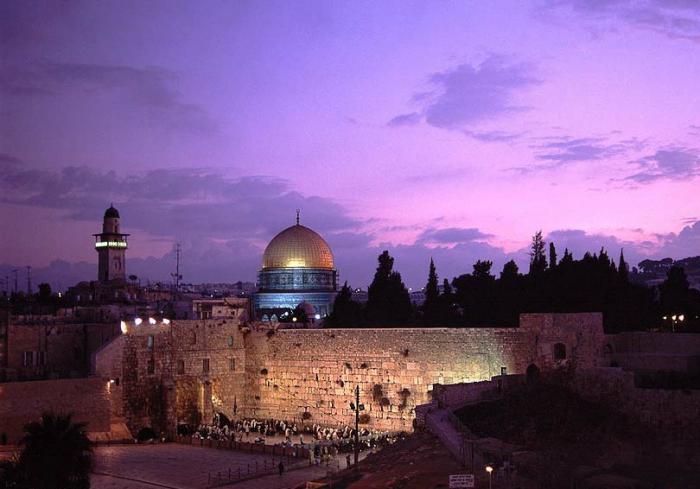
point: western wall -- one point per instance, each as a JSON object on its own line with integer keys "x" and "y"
{"x": 189, "y": 370}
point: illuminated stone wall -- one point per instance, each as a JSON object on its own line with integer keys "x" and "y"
{"x": 185, "y": 372}
{"x": 316, "y": 371}
{"x": 283, "y": 374}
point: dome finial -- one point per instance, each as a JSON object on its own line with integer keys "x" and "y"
{"x": 297, "y": 217}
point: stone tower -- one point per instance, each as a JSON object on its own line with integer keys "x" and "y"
{"x": 111, "y": 249}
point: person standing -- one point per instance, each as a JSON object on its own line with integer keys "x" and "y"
{"x": 280, "y": 467}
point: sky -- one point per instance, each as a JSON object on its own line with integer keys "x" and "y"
{"x": 451, "y": 130}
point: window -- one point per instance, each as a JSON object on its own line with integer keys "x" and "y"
{"x": 151, "y": 366}
{"x": 41, "y": 358}
{"x": 149, "y": 342}
{"x": 28, "y": 358}
{"x": 232, "y": 364}
{"x": 180, "y": 367}
{"x": 205, "y": 365}
{"x": 193, "y": 338}
{"x": 559, "y": 351}
{"x": 504, "y": 371}
{"x": 229, "y": 341}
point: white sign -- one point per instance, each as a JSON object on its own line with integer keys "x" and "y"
{"x": 458, "y": 481}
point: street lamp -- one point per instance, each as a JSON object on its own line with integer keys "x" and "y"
{"x": 489, "y": 469}
{"x": 357, "y": 407}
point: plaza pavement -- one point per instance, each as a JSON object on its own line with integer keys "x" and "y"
{"x": 174, "y": 466}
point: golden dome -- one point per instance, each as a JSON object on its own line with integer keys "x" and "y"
{"x": 298, "y": 246}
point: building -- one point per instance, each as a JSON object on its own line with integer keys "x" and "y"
{"x": 111, "y": 248}
{"x": 111, "y": 285}
{"x": 297, "y": 268}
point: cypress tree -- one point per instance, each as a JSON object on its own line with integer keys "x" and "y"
{"x": 538, "y": 261}
{"x": 552, "y": 256}
{"x": 431, "y": 288}
{"x": 623, "y": 268}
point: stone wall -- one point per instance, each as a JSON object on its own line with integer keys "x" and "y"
{"x": 293, "y": 372}
{"x": 671, "y": 411}
{"x": 648, "y": 352}
{"x": 182, "y": 372}
{"x": 23, "y": 402}
{"x": 58, "y": 349}
{"x": 189, "y": 370}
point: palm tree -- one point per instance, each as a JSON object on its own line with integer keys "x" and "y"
{"x": 56, "y": 454}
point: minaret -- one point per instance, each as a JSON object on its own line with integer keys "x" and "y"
{"x": 111, "y": 249}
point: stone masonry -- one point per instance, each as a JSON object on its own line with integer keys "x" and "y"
{"x": 184, "y": 372}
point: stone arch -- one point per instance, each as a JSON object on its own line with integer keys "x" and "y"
{"x": 559, "y": 351}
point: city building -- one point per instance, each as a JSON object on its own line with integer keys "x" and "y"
{"x": 297, "y": 268}
{"x": 111, "y": 245}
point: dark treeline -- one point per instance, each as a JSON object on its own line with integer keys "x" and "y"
{"x": 595, "y": 283}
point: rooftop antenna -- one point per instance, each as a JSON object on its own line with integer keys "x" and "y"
{"x": 177, "y": 275}
{"x": 297, "y": 217}
{"x": 29, "y": 280}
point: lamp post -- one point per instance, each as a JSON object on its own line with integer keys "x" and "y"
{"x": 357, "y": 407}
{"x": 489, "y": 469}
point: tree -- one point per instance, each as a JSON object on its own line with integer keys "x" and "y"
{"x": 44, "y": 292}
{"x": 446, "y": 288}
{"x": 346, "y": 312}
{"x": 432, "y": 304}
{"x": 388, "y": 302}
{"x": 674, "y": 292}
{"x": 482, "y": 269}
{"x": 510, "y": 271}
{"x": 431, "y": 288}
{"x": 56, "y": 454}
{"x": 552, "y": 256}
{"x": 538, "y": 261}
{"x": 623, "y": 268}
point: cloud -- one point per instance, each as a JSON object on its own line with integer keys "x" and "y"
{"x": 194, "y": 203}
{"x": 405, "y": 120}
{"x": 676, "y": 19}
{"x": 581, "y": 149}
{"x": 469, "y": 94}
{"x": 560, "y": 151}
{"x": 493, "y": 136}
{"x": 452, "y": 236}
{"x": 151, "y": 90}
{"x": 684, "y": 244}
{"x": 673, "y": 163}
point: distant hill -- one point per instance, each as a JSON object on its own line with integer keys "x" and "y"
{"x": 653, "y": 272}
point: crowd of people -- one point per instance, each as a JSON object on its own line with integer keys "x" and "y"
{"x": 323, "y": 440}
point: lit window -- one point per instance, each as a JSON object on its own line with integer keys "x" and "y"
{"x": 149, "y": 342}
{"x": 229, "y": 341}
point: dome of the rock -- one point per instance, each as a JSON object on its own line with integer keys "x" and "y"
{"x": 298, "y": 247}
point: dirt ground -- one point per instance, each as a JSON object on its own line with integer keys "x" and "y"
{"x": 419, "y": 461}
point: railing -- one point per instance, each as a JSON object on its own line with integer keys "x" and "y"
{"x": 251, "y": 470}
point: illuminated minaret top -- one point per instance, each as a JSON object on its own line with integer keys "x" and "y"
{"x": 111, "y": 249}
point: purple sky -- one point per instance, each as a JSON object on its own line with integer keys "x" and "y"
{"x": 446, "y": 129}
